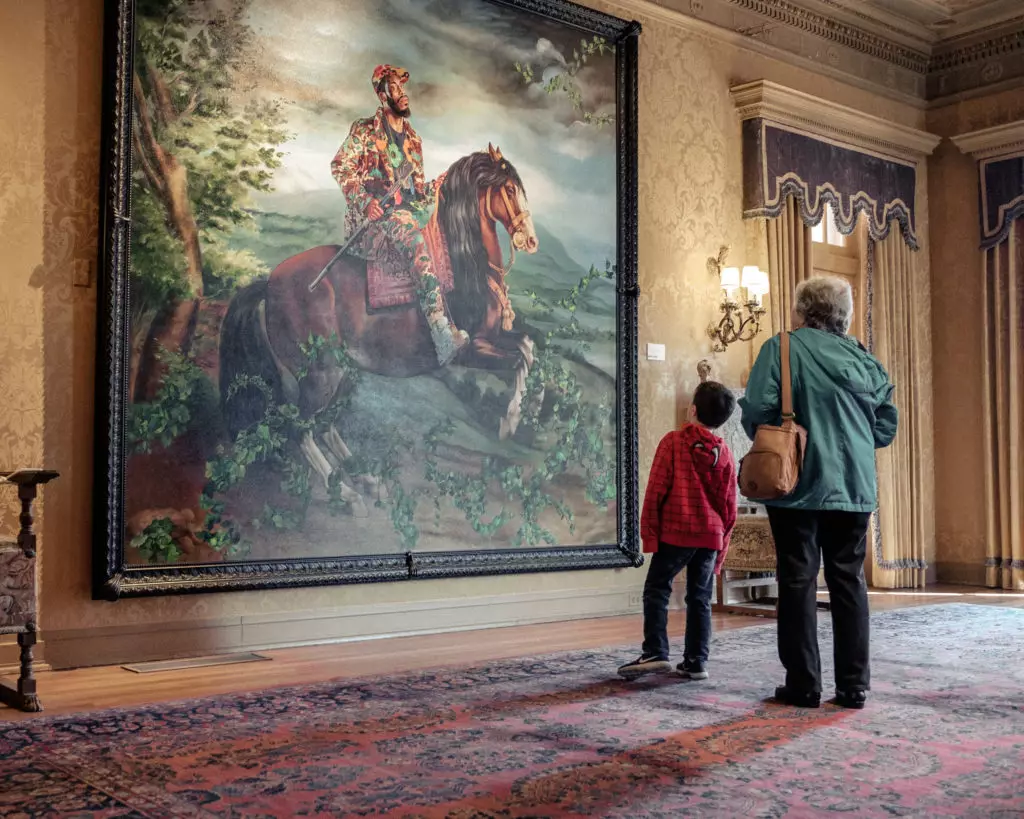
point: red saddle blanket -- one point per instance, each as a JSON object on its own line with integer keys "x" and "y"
{"x": 393, "y": 285}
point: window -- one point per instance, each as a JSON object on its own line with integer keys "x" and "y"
{"x": 825, "y": 231}
{"x": 842, "y": 256}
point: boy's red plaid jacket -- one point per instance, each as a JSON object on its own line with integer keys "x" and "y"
{"x": 691, "y": 493}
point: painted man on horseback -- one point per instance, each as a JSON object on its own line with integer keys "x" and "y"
{"x": 381, "y": 153}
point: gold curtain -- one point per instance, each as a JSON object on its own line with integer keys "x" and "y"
{"x": 898, "y": 551}
{"x": 789, "y": 262}
{"x": 1002, "y": 411}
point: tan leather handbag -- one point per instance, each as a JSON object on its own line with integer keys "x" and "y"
{"x": 771, "y": 470}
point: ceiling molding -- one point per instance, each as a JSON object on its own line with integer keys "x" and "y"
{"x": 999, "y": 41}
{"x": 991, "y": 143}
{"x": 845, "y": 34}
{"x": 795, "y": 109}
{"x": 822, "y": 64}
{"x": 889, "y": 48}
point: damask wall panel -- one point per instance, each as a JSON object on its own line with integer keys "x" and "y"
{"x": 691, "y": 203}
{"x": 958, "y": 311}
{"x": 21, "y": 244}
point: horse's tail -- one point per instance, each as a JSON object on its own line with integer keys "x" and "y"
{"x": 249, "y": 379}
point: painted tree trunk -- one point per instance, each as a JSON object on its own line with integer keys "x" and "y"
{"x": 172, "y": 329}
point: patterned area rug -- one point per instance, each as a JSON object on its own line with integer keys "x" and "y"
{"x": 943, "y": 736}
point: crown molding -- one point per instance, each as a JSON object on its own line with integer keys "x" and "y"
{"x": 861, "y": 45}
{"x": 828, "y": 27}
{"x": 817, "y": 117}
{"x": 881, "y": 21}
{"x": 979, "y": 46}
{"x": 825, "y": 62}
{"x": 991, "y": 143}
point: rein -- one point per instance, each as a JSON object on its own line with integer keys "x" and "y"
{"x": 514, "y": 229}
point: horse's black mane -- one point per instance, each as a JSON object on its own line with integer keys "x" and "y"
{"x": 459, "y": 214}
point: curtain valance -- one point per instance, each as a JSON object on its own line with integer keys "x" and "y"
{"x": 780, "y": 162}
{"x": 1002, "y": 197}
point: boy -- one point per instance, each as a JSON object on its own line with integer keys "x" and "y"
{"x": 688, "y": 515}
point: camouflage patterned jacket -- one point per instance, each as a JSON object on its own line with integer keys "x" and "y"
{"x": 367, "y": 163}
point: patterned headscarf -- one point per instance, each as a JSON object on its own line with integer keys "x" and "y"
{"x": 382, "y": 71}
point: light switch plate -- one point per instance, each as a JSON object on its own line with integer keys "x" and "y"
{"x": 655, "y": 352}
{"x": 82, "y": 273}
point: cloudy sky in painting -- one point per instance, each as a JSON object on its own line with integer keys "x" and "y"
{"x": 318, "y": 55}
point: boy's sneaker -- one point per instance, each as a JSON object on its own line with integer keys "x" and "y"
{"x": 644, "y": 665}
{"x": 692, "y": 670}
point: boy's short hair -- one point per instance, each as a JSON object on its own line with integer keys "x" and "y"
{"x": 714, "y": 404}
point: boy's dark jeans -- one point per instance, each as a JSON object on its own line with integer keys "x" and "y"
{"x": 666, "y": 563}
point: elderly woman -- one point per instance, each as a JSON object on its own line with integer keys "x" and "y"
{"x": 843, "y": 397}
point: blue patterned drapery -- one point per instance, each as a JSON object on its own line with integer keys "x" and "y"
{"x": 779, "y": 163}
{"x": 1002, "y": 197}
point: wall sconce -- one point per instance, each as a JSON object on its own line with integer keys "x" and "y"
{"x": 740, "y": 322}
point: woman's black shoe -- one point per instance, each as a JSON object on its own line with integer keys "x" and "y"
{"x": 851, "y": 699}
{"x": 799, "y": 699}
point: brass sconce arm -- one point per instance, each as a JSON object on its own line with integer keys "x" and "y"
{"x": 739, "y": 323}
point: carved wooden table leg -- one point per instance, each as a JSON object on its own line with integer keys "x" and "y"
{"x": 20, "y": 567}
{"x": 22, "y": 694}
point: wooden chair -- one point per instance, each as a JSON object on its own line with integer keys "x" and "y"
{"x": 18, "y": 595}
{"x": 750, "y": 564}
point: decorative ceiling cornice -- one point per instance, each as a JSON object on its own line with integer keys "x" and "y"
{"x": 991, "y": 143}
{"x": 860, "y": 43}
{"x": 844, "y": 34}
{"x": 994, "y": 46}
{"x": 817, "y": 117}
{"x": 983, "y": 59}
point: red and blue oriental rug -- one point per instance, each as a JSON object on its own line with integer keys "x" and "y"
{"x": 942, "y": 736}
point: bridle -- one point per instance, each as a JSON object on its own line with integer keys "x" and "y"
{"x": 515, "y": 227}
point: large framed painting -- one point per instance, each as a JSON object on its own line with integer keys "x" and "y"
{"x": 368, "y": 305}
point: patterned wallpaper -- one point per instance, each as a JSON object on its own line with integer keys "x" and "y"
{"x": 690, "y": 193}
{"x": 21, "y": 244}
{"x": 958, "y": 316}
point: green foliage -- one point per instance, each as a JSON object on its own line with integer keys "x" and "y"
{"x": 171, "y": 413}
{"x": 219, "y": 532}
{"x": 574, "y": 432}
{"x": 467, "y": 493}
{"x": 315, "y": 348}
{"x": 581, "y": 435}
{"x": 157, "y": 263}
{"x": 189, "y": 69}
{"x": 229, "y": 269}
{"x": 566, "y": 83}
{"x": 271, "y": 441}
{"x": 156, "y": 544}
{"x": 386, "y": 469}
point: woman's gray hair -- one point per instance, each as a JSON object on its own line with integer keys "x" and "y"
{"x": 825, "y": 303}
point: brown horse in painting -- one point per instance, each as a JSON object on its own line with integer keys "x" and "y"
{"x": 270, "y": 321}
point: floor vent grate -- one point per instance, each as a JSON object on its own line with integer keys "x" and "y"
{"x": 191, "y": 663}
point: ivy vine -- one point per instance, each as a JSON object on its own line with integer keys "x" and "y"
{"x": 565, "y": 82}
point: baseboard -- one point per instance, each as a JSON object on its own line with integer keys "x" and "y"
{"x": 74, "y": 648}
{"x": 961, "y": 574}
{"x": 10, "y": 656}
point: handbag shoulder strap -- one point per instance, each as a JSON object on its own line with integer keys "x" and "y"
{"x": 787, "y": 378}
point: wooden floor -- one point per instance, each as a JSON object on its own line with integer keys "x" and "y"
{"x": 68, "y": 692}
